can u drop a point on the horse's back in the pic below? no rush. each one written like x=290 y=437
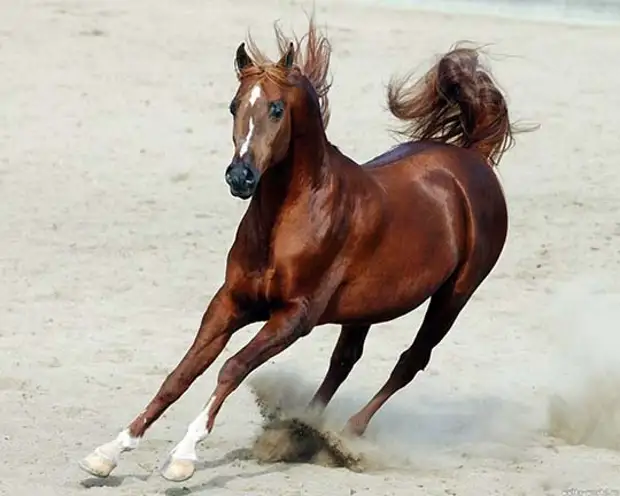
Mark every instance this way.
x=420 y=160
x=399 y=152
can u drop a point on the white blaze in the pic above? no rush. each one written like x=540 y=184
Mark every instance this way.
x=245 y=145
x=255 y=94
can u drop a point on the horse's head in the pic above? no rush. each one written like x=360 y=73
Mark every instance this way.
x=262 y=114
x=269 y=96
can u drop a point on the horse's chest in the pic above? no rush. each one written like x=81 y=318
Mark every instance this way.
x=266 y=286
x=284 y=276
x=291 y=263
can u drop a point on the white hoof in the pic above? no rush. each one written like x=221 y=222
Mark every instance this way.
x=178 y=470
x=97 y=464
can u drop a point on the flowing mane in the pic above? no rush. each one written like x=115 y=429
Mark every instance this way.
x=312 y=57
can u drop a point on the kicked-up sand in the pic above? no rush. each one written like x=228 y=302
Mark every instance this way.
x=114 y=137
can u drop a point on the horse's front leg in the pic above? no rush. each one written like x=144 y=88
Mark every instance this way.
x=221 y=319
x=283 y=328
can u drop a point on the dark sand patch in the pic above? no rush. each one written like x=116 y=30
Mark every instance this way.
x=296 y=441
x=292 y=435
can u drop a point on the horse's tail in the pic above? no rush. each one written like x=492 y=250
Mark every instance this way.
x=456 y=102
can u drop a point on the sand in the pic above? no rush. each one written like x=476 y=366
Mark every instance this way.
x=114 y=136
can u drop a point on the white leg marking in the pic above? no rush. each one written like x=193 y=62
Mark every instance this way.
x=255 y=94
x=196 y=432
x=104 y=459
x=182 y=461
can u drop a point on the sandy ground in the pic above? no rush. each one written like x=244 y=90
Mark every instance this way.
x=114 y=135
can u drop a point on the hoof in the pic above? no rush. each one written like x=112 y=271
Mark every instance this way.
x=97 y=464
x=178 y=470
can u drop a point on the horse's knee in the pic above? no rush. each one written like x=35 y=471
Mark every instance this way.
x=171 y=389
x=231 y=373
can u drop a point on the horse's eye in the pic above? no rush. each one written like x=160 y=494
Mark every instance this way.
x=233 y=107
x=276 y=110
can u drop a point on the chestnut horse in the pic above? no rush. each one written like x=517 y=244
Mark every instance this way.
x=325 y=240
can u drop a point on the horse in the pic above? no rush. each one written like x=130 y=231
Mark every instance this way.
x=326 y=240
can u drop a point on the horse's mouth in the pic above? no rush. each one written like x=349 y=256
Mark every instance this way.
x=243 y=194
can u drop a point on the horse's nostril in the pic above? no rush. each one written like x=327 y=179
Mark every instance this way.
x=249 y=177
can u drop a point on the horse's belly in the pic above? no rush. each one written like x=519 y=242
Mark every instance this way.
x=381 y=295
x=371 y=309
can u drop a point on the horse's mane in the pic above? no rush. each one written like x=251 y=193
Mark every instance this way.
x=312 y=57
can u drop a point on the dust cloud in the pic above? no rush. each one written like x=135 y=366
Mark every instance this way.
x=575 y=369
x=584 y=369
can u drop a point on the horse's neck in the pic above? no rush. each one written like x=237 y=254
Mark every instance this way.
x=304 y=173
x=309 y=166
x=301 y=175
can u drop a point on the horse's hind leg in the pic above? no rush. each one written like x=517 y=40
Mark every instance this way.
x=443 y=309
x=347 y=352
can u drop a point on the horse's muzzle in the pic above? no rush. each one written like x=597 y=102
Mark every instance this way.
x=242 y=179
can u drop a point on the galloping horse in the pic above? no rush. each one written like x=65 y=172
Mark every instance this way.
x=327 y=240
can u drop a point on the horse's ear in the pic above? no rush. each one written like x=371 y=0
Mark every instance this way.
x=288 y=58
x=242 y=59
